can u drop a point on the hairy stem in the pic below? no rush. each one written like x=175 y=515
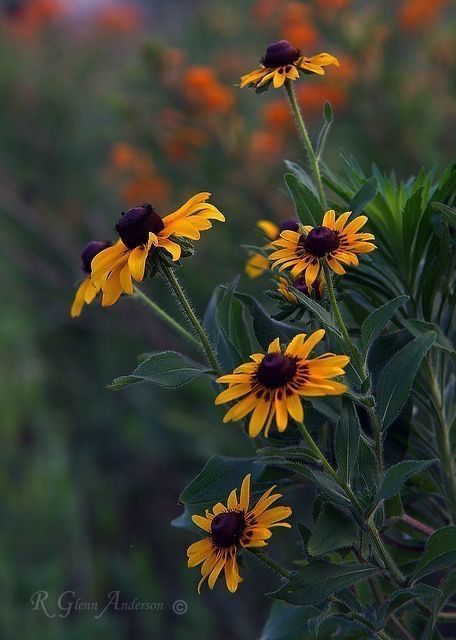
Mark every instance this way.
x=276 y=568
x=313 y=161
x=167 y=319
x=187 y=307
x=359 y=366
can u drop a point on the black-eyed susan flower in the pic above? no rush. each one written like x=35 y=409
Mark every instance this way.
x=272 y=385
x=87 y=290
x=142 y=230
x=257 y=264
x=334 y=241
x=284 y=286
x=282 y=61
x=232 y=527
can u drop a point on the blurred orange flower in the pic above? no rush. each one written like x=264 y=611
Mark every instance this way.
x=266 y=144
x=119 y=17
x=34 y=15
x=415 y=14
x=297 y=25
x=276 y=115
x=137 y=174
x=313 y=96
x=332 y=4
x=203 y=91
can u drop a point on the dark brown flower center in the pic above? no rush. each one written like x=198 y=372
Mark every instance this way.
x=300 y=285
x=276 y=370
x=280 y=54
x=136 y=223
x=89 y=252
x=320 y=241
x=290 y=224
x=227 y=528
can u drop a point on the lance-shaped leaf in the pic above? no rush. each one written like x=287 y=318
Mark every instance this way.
x=167 y=369
x=346 y=441
x=404 y=597
x=334 y=529
x=397 y=377
x=374 y=324
x=319 y=579
x=365 y=195
x=397 y=475
x=308 y=208
x=440 y=553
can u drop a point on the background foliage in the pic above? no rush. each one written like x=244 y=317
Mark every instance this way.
x=124 y=103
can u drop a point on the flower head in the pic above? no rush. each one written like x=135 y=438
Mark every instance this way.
x=87 y=290
x=272 y=385
x=142 y=230
x=257 y=264
x=282 y=61
x=231 y=528
x=335 y=241
x=284 y=288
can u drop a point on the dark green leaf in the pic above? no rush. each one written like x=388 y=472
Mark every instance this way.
x=404 y=597
x=448 y=212
x=397 y=475
x=334 y=529
x=317 y=309
x=397 y=377
x=362 y=198
x=418 y=327
x=167 y=369
x=266 y=328
x=374 y=324
x=346 y=440
x=308 y=208
x=440 y=553
x=330 y=487
x=320 y=579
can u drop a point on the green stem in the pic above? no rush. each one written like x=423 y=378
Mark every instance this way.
x=387 y=560
x=358 y=365
x=340 y=321
x=313 y=161
x=180 y=294
x=160 y=313
x=270 y=563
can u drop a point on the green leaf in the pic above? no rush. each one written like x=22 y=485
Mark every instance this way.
x=317 y=310
x=329 y=487
x=403 y=597
x=328 y=116
x=397 y=475
x=320 y=579
x=362 y=198
x=418 y=327
x=397 y=377
x=308 y=208
x=448 y=212
x=346 y=440
x=219 y=476
x=334 y=529
x=440 y=553
x=266 y=328
x=288 y=623
x=374 y=324
x=167 y=369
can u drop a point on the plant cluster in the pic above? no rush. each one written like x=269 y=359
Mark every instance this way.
x=347 y=385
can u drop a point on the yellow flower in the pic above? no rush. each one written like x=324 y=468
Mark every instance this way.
x=141 y=230
x=283 y=62
x=332 y=241
x=272 y=385
x=257 y=264
x=283 y=287
x=87 y=290
x=231 y=528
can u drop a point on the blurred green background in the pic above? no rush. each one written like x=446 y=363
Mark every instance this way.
x=104 y=105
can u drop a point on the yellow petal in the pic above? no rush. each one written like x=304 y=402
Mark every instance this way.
x=137 y=262
x=244 y=498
